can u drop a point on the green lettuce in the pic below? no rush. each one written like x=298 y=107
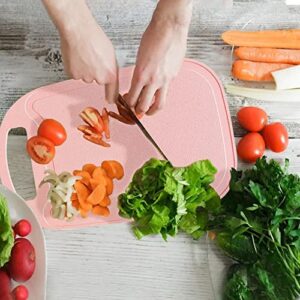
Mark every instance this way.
x=162 y=199
x=6 y=233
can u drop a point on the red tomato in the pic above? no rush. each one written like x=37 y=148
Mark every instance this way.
x=276 y=137
x=40 y=149
x=251 y=147
x=53 y=131
x=252 y=119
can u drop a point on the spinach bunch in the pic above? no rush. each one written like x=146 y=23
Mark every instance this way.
x=258 y=226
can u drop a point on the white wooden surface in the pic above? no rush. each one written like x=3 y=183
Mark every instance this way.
x=106 y=262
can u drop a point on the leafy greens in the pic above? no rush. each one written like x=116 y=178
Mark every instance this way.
x=6 y=234
x=163 y=199
x=258 y=226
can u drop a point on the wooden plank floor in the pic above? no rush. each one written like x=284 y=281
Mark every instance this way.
x=106 y=262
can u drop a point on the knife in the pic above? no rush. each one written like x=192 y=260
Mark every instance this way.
x=140 y=125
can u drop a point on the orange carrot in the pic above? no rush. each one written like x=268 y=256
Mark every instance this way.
x=101 y=211
x=113 y=169
x=105 y=119
x=255 y=71
x=83 y=213
x=85 y=177
x=271 y=55
x=283 y=39
x=109 y=185
x=89 y=168
x=105 y=202
x=94 y=183
x=97 y=195
x=99 y=172
x=74 y=197
x=82 y=194
x=76 y=204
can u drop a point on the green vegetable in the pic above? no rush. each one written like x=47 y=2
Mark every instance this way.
x=258 y=226
x=6 y=233
x=163 y=199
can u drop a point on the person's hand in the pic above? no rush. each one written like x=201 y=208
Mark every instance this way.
x=87 y=52
x=160 y=56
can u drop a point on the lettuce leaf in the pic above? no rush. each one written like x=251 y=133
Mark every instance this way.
x=6 y=233
x=162 y=199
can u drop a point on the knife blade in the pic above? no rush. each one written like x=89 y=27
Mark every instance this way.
x=141 y=126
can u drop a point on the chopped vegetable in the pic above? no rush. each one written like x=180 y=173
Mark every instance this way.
x=97 y=195
x=101 y=211
x=61 y=189
x=287 y=79
x=265 y=94
x=6 y=232
x=53 y=131
x=251 y=147
x=163 y=199
x=285 y=39
x=251 y=118
x=276 y=137
x=255 y=71
x=113 y=169
x=89 y=168
x=268 y=55
x=92 y=117
x=258 y=227
x=105 y=118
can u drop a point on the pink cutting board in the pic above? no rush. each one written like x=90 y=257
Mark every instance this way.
x=195 y=124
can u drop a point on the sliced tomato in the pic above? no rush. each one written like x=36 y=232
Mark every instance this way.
x=105 y=119
x=96 y=139
x=40 y=149
x=119 y=118
x=92 y=117
x=53 y=131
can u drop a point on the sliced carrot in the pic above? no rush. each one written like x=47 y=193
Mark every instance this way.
x=105 y=202
x=82 y=193
x=97 y=195
x=268 y=55
x=109 y=185
x=74 y=197
x=105 y=119
x=83 y=213
x=89 y=168
x=284 y=39
x=99 y=172
x=85 y=177
x=94 y=183
x=113 y=169
x=76 y=204
x=75 y=172
x=101 y=211
x=255 y=71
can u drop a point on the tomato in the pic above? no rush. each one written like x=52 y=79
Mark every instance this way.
x=276 y=137
x=252 y=119
x=40 y=149
x=251 y=147
x=53 y=131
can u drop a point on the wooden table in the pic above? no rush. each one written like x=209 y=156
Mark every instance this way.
x=107 y=262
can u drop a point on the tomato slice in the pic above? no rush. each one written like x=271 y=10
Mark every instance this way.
x=96 y=139
x=92 y=117
x=40 y=149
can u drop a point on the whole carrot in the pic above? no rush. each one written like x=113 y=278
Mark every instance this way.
x=255 y=71
x=268 y=55
x=282 y=39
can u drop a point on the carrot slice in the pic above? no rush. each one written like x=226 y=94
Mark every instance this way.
x=113 y=169
x=105 y=119
x=82 y=193
x=97 y=195
x=94 y=183
x=105 y=202
x=74 y=197
x=109 y=185
x=101 y=211
x=85 y=177
x=98 y=173
x=76 y=204
x=89 y=168
x=83 y=213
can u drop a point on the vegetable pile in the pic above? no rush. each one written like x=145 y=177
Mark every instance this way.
x=252 y=146
x=258 y=226
x=163 y=199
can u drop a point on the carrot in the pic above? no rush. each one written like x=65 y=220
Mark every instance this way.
x=94 y=183
x=76 y=204
x=105 y=119
x=82 y=194
x=89 y=168
x=101 y=211
x=105 y=202
x=74 y=197
x=97 y=195
x=255 y=71
x=113 y=169
x=109 y=185
x=270 y=55
x=285 y=39
x=85 y=177
x=83 y=213
x=98 y=173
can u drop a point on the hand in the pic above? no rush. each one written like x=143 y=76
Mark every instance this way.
x=160 y=56
x=89 y=55
x=87 y=52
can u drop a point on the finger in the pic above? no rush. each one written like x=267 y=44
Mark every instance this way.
x=145 y=99
x=87 y=79
x=112 y=89
x=160 y=100
x=135 y=90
